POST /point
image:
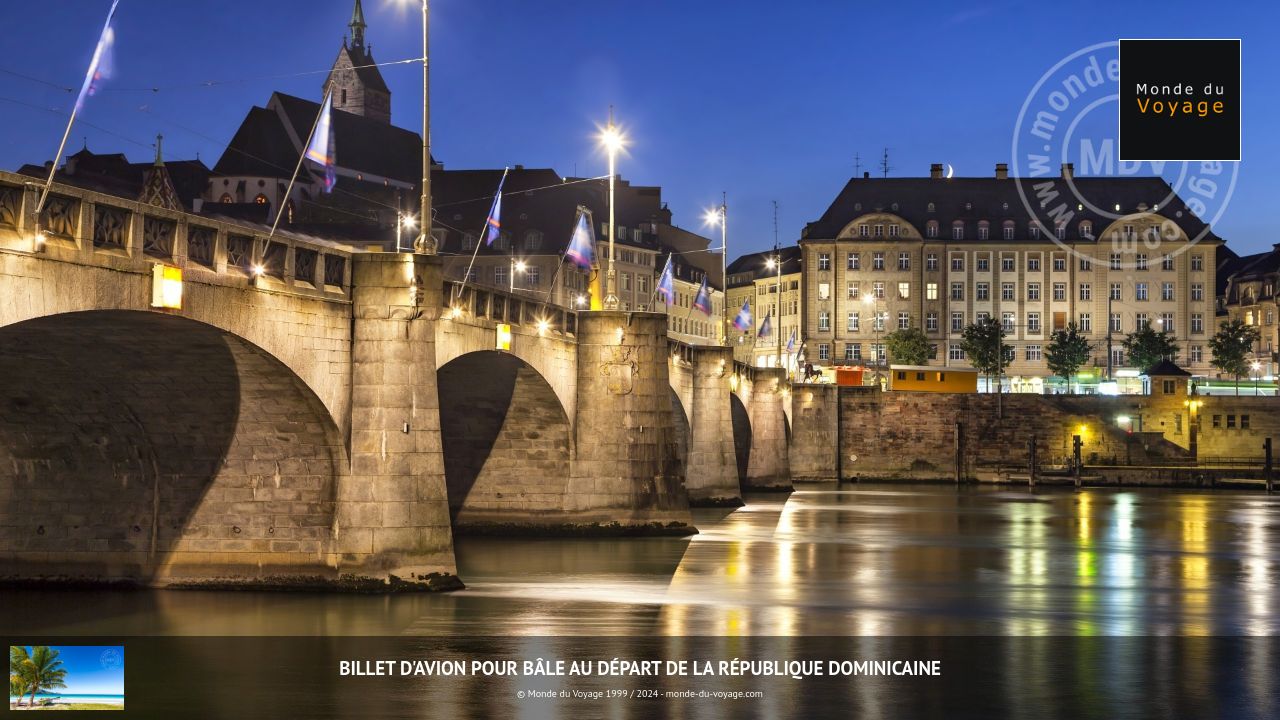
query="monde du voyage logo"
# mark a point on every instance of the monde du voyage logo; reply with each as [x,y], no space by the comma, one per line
[1180,100]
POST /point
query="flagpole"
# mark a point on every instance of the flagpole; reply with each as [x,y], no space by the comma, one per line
[467,275]
[301,156]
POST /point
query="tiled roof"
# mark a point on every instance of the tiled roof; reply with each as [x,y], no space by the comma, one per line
[113,174]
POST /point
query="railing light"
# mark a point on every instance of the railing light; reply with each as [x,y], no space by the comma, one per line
[166,287]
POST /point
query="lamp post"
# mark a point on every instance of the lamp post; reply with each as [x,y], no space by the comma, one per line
[426,137]
[1257,368]
[720,216]
[612,139]
[517,266]
[870,299]
[406,222]
[775,263]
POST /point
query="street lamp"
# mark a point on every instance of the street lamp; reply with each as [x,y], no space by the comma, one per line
[1257,367]
[870,299]
[407,222]
[613,140]
[517,266]
[422,244]
[775,263]
[720,216]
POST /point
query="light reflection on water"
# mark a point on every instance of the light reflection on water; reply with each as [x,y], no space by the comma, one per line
[854,560]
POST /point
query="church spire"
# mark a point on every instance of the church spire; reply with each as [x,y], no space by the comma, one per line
[357,26]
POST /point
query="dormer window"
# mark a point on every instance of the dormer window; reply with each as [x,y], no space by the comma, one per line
[931,227]
[984,230]
[957,230]
[931,207]
[1086,229]
[1007,230]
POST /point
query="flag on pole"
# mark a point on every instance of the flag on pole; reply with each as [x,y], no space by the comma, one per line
[582,247]
[320,149]
[493,225]
[666,284]
[791,341]
[100,65]
[766,327]
[702,300]
[743,321]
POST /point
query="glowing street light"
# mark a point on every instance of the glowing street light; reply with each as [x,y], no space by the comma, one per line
[426,134]
[719,216]
[517,266]
[613,141]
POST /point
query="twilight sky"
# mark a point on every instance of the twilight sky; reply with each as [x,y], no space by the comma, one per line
[764,100]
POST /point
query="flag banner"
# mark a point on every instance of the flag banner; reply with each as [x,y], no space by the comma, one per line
[100,65]
[493,225]
[791,341]
[320,149]
[743,321]
[766,327]
[666,284]
[702,300]
[582,248]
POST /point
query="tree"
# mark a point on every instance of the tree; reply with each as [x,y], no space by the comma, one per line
[983,344]
[40,669]
[907,347]
[1231,346]
[1147,347]
[1066,352]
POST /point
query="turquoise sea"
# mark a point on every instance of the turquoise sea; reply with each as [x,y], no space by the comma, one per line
[73,697]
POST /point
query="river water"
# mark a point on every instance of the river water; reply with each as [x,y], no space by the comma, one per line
[929,569]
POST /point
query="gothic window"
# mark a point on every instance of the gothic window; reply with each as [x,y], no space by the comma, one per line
[261,199]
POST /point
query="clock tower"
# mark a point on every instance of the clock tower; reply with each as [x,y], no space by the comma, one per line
[358,87]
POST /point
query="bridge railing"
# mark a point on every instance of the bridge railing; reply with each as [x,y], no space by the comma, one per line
[487,303]
[93,228]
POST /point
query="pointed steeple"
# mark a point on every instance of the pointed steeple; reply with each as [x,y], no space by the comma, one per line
[157,186]
[357,26]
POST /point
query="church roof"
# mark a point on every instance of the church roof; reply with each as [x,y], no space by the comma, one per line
[366,68]
[113,174]
[263,145]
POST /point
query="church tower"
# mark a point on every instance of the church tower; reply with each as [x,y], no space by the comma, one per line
[357,84]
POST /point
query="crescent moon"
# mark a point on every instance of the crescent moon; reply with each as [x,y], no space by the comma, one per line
[950,171]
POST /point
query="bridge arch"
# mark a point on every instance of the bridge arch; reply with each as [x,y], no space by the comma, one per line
[507,440]
[741,435]
[149,447]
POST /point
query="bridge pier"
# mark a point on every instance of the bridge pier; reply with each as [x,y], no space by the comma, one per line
[625,475]
[391,525]
[768,467]
[711,473]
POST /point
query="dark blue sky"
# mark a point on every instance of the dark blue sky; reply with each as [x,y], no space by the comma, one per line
[764,100]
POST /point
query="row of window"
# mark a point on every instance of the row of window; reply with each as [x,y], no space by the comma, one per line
[1030,353]
[1009,229]
[1032,325]
[691,326]
[1008,291]
[1141,261]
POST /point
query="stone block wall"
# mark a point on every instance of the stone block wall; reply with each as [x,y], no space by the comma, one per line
[813,450]
[711,472]
[767,468]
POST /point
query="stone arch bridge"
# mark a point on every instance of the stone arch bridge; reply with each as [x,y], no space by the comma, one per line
[318,415]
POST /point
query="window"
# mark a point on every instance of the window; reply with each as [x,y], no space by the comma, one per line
[955,352]
[1117,357]
[1008,320]
[1217,421]
[1059,264]
[879,231]
[983,318]
[853,261]
[824,261]
[1086,291]
[1197,263]
[533,274]
[931,262]
[1116,290]
[893,230]
[904,291]
[1141,320]
[1086,322]
[1061,230]
[984,230]
[931,321]
[1197,323]
[931,229]
[853,351]
[931,291]
[984,264]
[957,322]
[877,353]
[824,320]
[1197,354]
[261,199]
[1115,261]
[1244,422]
[1033,353]
[1197,292]
[904,260]
[626,282]
[1169,386]
[824,291]
[1006,291]
[877,261]
[642,284]
[1086,264]
[1033,264]
[1166,262]
[1115,323]
[824,351]
[957,263]
[1142,261]
[877,288]
[1059,291]
[1007,231]
[853,288]
[1033,291]
[904,320]
[878,321]
[984,291]
[1140,291]
[500,275]
[957,230]
[1033,231]
[1006,264]
[1166,291]
[852,322]
[1086,229]
[1033,322]
[1231,421]
[864,231]
[1166,322]
[957,291]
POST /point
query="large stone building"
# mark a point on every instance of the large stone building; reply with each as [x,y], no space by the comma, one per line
[685,322]
[940,253]
[753,279]
[1249,294]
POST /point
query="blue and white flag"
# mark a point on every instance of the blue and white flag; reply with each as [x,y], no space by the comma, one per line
[493,225]
[791,341]
[582,248]
[320,149]
[100,65]
[766,327]
[702,301]
[743,321]
[666,284]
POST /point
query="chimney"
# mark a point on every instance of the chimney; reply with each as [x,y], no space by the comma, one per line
[866,174]
[1002,171]
[1068,170]
[935,171]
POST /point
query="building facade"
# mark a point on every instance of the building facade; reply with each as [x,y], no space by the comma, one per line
[1249,295]
[754,280]
[940,253]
